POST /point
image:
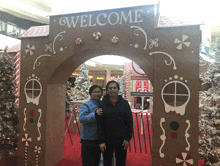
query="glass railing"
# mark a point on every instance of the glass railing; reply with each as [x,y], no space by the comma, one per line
[10,30]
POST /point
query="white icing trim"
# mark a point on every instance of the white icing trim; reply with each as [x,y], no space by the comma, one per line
[25,120]
[162,137]
[56,39]
[171,58]
[187,135]
[178,109]
[39,62]
[140,29]
[39,125]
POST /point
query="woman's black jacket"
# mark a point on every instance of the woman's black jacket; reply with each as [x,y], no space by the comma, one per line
[116,123]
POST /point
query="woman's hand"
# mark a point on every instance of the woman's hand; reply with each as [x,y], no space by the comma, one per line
[99,111]
[125,144]
[102,147]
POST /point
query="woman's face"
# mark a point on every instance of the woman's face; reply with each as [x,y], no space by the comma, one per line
[96,94]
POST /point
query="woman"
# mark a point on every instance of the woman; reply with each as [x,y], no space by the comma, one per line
[90,152]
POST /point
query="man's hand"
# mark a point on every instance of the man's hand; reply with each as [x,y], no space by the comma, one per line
[99,111]
[102,147]
[125,144]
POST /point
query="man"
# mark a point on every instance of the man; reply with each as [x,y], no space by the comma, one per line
[115,126]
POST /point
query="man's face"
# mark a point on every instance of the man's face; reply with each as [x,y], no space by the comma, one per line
[113,90]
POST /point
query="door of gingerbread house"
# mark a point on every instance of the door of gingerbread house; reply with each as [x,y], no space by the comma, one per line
[168,54]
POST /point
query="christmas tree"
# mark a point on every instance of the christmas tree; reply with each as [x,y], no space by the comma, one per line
[8,108]
[121,83]
[209,121]
[82,85]
[68,97]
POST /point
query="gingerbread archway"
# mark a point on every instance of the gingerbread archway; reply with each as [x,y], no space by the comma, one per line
[169,56]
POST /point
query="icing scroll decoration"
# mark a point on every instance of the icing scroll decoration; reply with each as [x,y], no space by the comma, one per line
[162,137]
[61,38]
[140,29]
[35,62]
[171,58]
[39,125]
[187,135]
[25,120]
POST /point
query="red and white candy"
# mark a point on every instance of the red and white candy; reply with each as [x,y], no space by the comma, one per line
[26,139]
[184,159]
[115,40]
[78,41]
[96,35]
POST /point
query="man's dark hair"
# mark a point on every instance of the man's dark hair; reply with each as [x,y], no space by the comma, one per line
[110,83]
[93,87]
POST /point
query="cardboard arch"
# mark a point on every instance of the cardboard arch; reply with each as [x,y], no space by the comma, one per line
[69,65]
[169,55]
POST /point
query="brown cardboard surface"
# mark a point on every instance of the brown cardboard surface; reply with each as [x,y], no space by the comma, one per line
[56,56]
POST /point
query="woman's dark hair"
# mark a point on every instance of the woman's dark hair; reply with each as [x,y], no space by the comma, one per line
[93,87]
[110,83]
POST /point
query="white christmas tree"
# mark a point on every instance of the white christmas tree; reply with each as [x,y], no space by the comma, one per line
[209,121]
[121,82]
[82,85]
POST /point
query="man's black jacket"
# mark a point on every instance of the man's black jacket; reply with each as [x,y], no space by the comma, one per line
[116,123]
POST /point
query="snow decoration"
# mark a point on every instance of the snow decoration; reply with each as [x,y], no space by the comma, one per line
[209,120]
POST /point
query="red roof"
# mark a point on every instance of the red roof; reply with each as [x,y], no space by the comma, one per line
[15,48]
[37,31]
[173,21]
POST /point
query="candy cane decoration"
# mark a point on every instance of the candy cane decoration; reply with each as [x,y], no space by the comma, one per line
[26,139]
[37,151]
[17,68]
[128,67]
[39,125]
[112,79]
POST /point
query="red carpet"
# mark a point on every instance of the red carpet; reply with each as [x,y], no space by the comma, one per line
[72,153]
